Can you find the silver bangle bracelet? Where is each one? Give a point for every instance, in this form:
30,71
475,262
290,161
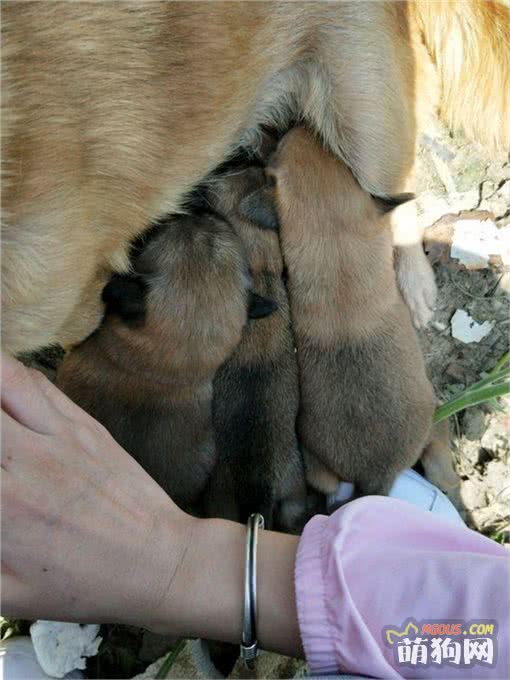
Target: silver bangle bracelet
249,644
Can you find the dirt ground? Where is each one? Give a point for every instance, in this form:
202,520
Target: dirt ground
460,180
457,180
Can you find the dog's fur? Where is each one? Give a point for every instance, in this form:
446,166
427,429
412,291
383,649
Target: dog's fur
366,404
256,391
147,372
112,111
469,44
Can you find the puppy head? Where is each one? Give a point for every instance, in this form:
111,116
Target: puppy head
244,194
186,303
310,182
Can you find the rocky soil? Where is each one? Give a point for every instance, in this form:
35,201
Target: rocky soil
461,182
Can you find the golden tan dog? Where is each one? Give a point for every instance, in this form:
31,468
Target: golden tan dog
111,111
366,404
147,372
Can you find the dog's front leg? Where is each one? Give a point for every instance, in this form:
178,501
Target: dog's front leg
414,273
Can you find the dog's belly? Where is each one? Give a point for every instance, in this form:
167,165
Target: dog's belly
107,135
139,102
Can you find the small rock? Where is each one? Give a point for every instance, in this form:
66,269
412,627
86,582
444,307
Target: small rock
467,330
497,477
473,424
488,188
63,647
270,665
499,201
463,200
472,493
491,517
476,242
496,437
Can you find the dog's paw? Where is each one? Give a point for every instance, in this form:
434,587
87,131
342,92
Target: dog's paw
416,282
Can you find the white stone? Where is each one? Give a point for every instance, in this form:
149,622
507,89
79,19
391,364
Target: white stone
63,647
466,329
474,241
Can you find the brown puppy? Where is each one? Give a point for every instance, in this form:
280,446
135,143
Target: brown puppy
112,111
147,372
366,403
256,391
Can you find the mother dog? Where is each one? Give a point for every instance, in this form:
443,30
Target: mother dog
112,111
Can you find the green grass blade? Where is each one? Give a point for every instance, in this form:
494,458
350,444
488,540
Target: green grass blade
471,398
170,659
504,360
490,379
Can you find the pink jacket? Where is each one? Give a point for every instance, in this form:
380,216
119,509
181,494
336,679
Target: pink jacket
387,590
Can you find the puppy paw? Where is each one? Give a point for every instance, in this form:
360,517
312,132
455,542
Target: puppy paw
416,282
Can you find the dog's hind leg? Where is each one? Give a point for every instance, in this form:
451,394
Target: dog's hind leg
437,459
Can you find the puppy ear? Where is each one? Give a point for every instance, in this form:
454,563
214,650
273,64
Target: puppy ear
386,205
125,295
259,208
260,307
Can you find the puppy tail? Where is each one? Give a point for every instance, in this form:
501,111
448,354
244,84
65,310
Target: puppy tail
469,43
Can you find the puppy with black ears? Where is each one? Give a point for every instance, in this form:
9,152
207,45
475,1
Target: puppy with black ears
256,391
366,404
147,372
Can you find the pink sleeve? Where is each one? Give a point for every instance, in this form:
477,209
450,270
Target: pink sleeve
380,563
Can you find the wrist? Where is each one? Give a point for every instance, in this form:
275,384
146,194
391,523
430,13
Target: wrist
205,599
206,595
163,575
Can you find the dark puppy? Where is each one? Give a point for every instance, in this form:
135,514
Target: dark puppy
256,392
366,403
147,373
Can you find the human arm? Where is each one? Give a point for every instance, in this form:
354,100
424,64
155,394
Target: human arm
87,535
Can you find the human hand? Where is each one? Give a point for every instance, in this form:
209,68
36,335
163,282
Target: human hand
87,535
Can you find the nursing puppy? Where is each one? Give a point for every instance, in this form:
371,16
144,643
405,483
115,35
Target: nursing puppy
147,372
112,111
256,391
366,403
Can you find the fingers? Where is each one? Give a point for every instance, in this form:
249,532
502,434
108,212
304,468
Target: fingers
31,399
15,596
25,396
